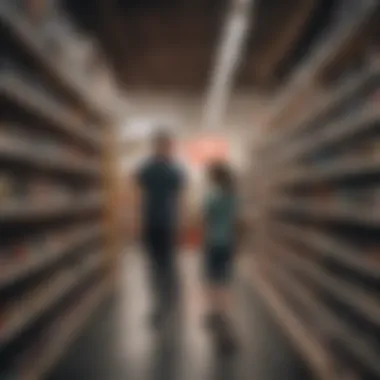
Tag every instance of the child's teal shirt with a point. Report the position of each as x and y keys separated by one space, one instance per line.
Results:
x=220 y=218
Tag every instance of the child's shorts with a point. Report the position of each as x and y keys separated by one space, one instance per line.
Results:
x=219 y=264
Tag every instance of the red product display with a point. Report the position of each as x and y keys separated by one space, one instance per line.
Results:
x=193 y=238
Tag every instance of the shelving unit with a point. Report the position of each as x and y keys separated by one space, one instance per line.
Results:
x=58 y=246
x=62 y=77
x=317 y=200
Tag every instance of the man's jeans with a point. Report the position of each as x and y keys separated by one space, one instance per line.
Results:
x=160 y=246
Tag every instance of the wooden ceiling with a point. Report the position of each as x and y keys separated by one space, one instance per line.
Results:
x=170 y=45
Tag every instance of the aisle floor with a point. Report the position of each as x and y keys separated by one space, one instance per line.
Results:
x=119 y=344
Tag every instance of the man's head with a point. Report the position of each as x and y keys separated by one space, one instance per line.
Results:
x=163 y=144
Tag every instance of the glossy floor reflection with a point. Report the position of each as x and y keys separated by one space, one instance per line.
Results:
x=119 y=343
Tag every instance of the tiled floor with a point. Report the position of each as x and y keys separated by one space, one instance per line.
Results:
x=119 y=343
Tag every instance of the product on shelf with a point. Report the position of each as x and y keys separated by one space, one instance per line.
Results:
x=41 y=190
x=362 y=197
x=373 y=254
x=20 y=5
x=38 y=11
x=48 y=146
x=5 y=258
x=3 y=134
x=20 y=252
x=70 y=47
x=20 y=188
x=324 y=195
x=73 y=154
x=39 y=244
x=57 y=242
x=20 y=135
x=5 y=187
x=78 y=115
x=374 y=147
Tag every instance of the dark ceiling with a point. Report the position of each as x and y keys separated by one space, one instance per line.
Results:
x=170 y=44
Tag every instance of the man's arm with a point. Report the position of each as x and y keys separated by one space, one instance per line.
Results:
x=136 y=186
x=181 y=184
x=241 y=225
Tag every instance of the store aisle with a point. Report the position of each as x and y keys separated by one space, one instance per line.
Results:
x=119 y=343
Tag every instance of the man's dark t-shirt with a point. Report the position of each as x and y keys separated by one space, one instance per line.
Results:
x=161 y=182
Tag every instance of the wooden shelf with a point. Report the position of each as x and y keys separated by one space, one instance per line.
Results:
x=339 y=170
x=358 y=215
x=50 y=296
x=14 y=151
x=17 y=272
x=307 y=342
x=363 y=302
x=327 y=104
x=64 y=77
x=333 y=248
x=67 y=333
x=313 y=233
x=26 y=211
x=66 y=157
x=353 y=36
x=356 y=123
x=333 y=328
x=19 y=90
x=333 y=45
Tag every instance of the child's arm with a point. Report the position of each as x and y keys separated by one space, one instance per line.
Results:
x=241 y=225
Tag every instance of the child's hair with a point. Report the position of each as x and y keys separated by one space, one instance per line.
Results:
x=221 y=174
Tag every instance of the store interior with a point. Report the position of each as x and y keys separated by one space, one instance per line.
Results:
x=285 y=91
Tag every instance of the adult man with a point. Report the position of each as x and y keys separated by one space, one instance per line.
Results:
x=161 y=182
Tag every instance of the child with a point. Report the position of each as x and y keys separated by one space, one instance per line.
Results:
x=220 y=215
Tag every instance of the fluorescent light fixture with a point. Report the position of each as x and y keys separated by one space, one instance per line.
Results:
x=228 y=57
x=140 y=128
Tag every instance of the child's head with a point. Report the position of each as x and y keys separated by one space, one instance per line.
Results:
x=220 y=175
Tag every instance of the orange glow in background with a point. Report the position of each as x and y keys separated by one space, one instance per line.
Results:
x=205 y=150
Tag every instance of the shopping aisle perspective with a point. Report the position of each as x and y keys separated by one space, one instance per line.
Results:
x=247 y=129
x=120 y=343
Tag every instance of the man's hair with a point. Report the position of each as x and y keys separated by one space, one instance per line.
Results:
x=162 y=136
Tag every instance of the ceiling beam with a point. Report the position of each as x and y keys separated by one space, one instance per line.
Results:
x=111 y=30
x=284 y=41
